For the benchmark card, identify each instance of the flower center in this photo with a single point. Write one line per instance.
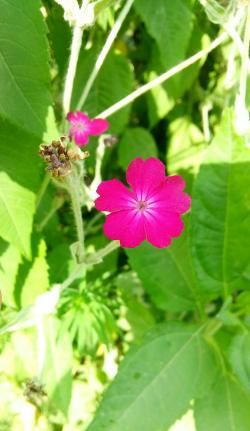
(79, 127)
(142, 205)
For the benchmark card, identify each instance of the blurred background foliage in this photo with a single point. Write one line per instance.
(55, 366)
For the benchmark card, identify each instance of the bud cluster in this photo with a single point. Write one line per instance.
(59, 157)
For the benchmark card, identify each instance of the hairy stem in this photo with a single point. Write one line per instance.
(73, 189)
(91, 260)
(103, 54)
(164, 77)
(74, 53)
(73, 59)
(245, 57)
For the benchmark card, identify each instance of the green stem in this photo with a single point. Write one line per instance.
(42, 189)
(103, 54)
(73, 59)
(245, 57)
(73, 189)
(90, 261)
(164, 77)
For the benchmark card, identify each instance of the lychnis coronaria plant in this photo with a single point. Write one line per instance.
(125, 215)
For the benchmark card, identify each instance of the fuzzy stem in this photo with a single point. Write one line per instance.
(91, 260)
(164, 77)
(103, 54)
(74, 54)
(245, 57)
(73, 189)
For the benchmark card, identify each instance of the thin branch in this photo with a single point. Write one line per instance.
(245, 57)
(74, 54)
(103, 54)
(164, 77)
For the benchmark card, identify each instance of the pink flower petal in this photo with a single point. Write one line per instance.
(81, 137)
(170, 196)
(98, 126)
(114, 196)
(161, 226)
(71, 116)
(83, 118)
(145, 176)
(127, 226)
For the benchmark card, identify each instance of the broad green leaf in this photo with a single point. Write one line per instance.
(37, 280)
(17, 205)
(171, 25)
(59, 35)
(24, 65)
(105, 91)
(239, 357)
(159, 101)
(57, 375)
(162, 98)
(157, 381)
(225, 407)
(220, 221)
(10, 259)
(185, 146)
(19, 181)
(167, 274)
(136, 142)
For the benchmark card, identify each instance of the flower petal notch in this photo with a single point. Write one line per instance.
(82, 127)
(150, 211)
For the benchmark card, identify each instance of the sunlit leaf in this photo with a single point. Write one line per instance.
(157, 381)
(220, 221)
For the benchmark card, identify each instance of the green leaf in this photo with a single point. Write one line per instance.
(136, 142)
(57, 374)
(10, 259)
(59, 35)
(171, 25)
(24, 65)
(220, 221)
(167, 274)
(185, 146)
(19, 181)
(239, 357)
(105, 91)
(37, 280)
(225, 407)
(17, 205)
(157, 381)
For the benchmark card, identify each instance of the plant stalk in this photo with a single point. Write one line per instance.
(74, 54)
(164, 77)
(245, 57)
(104, 52)
(73, 189)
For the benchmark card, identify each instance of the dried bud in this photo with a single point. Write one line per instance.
(57, 158)
(110, 140)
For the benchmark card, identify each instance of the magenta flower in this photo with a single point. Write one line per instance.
(150, 211)
(82, 126)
